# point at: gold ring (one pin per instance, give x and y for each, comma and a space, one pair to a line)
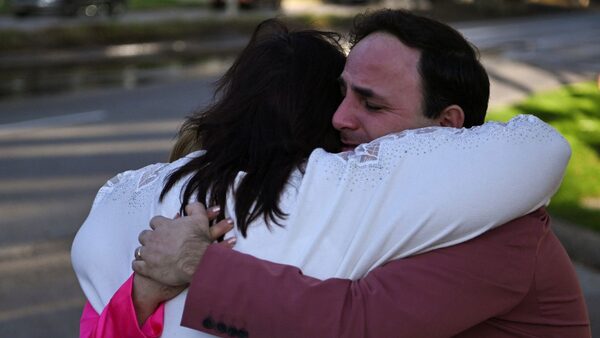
138, 253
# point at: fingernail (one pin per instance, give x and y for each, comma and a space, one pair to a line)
229, 221
215, 209
232, 240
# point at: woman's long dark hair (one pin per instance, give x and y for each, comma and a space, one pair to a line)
273, 107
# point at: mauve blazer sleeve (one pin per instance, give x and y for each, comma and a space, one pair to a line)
437, 294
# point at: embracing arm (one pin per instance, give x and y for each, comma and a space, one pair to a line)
419, 190
437, 294
479, 179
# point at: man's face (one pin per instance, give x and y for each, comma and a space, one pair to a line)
382, 91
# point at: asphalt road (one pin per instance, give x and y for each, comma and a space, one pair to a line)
56, 151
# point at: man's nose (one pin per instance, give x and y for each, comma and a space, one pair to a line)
343, 118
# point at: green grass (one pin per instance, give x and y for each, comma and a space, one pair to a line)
575, 112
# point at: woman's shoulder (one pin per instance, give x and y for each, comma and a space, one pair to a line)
148, 178
151, 172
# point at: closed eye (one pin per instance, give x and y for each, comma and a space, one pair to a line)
371, 107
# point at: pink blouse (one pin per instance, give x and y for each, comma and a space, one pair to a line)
118, 319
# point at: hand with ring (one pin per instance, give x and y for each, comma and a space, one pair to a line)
173, 248
138, 253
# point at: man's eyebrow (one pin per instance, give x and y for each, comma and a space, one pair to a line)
362, 91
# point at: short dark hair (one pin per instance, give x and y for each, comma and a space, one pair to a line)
272, 108
450, 70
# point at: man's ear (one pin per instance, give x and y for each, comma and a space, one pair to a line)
451, 116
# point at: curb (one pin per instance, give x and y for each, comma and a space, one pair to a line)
582, 245
116, 53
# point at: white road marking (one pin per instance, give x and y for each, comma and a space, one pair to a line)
87, 148
62, 120
41, 309
97, 130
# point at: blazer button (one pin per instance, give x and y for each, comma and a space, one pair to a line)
232, 331
208, 323
221, 327
243, 333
